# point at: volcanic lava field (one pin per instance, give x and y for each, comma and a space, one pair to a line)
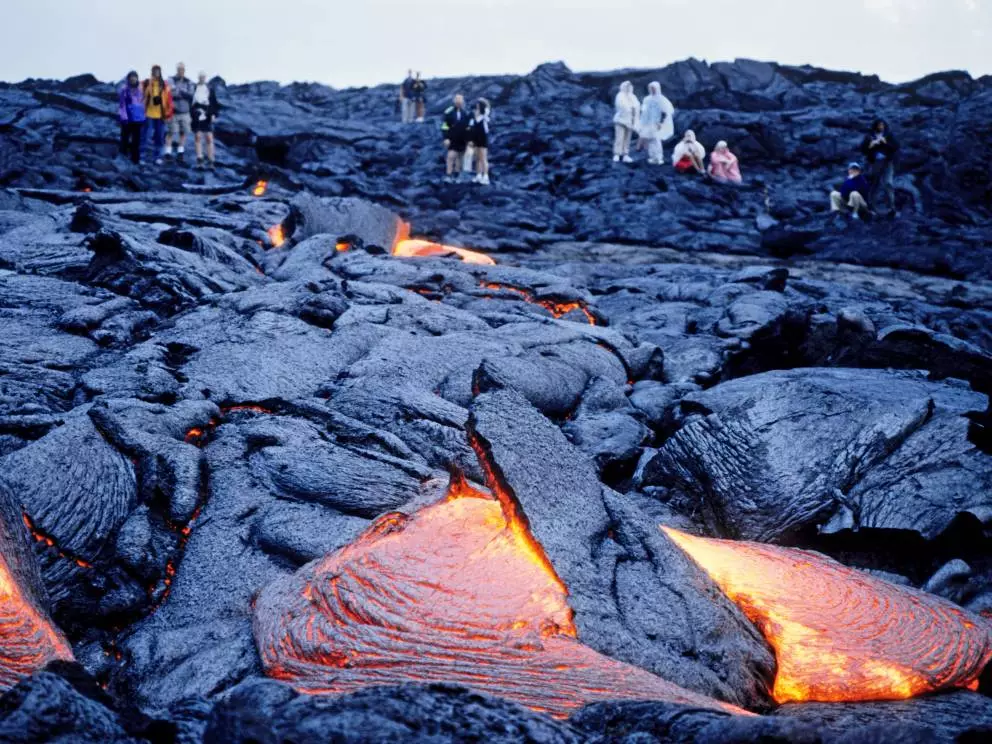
319, 448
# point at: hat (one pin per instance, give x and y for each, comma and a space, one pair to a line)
855, 165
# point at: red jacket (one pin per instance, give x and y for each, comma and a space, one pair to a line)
168, 106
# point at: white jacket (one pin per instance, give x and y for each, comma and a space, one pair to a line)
683, 148
628, 109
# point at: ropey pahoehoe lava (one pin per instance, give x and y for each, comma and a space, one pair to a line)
840, 634
453, 594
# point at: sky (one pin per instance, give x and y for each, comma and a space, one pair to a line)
365, 42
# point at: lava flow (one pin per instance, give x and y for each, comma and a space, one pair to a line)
423, 248
841, 635
451, 594
260, 188
28, 639
277, 235
557, 309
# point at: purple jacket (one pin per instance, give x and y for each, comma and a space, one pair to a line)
131, 104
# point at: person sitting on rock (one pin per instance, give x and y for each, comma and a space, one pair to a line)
419, 88
657, 124
131, 114
158, 110
455, 127
627, 113
724, 166
880, 148
479, 138
850, 195
689, 155
408, 107
204, 112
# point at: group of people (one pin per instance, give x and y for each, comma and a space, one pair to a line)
858, 192
157, 116
466, 139
413, 98
653, 120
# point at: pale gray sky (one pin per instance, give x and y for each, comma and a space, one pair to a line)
364, 42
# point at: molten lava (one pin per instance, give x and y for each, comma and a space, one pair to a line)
28, 639
423, 248
451, 594
557, 309
277, 235
260, 188
840, 634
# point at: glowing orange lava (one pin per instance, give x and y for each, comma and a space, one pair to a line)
342, 246
840, 634
260, 188
557, 309
49, 541
423, 248
277, 235
450, 594
28, 638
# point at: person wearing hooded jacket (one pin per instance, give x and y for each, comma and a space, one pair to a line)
880, 148
656, 124
131, 114
688, 155
627, 112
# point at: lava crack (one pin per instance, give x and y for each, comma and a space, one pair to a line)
840, 634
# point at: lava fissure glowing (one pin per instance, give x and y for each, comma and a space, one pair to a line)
558, 309
46, 539
260, 188
277, 235
840, 634
409, 248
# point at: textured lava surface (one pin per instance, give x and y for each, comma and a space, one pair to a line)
451, 594
840, 634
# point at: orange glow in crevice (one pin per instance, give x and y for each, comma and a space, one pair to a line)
449, 594
260, 188
277, 235
557, 309
839, 634
426, 249
29, 640
41, 537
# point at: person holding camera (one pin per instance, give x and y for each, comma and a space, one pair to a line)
159, 109
880, 149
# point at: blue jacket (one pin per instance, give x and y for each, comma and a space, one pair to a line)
131, 104
859, 183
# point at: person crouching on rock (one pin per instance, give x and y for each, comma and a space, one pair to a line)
479, 137
455, 129
204, 112
627, 112
656, 123
689, 154
880, 148
158, 110
131, 113
724, 167
850, 194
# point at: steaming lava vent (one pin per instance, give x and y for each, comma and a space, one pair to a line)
840, 634
454, 593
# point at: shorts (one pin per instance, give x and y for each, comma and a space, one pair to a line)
179, 125
480, 139
457, 145
685, 165
203, 122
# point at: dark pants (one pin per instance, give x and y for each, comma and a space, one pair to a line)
131, 140
881, 176
155, 136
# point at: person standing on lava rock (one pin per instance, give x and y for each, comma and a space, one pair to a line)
408, 107
420, 97
158, 110
627, 112
850, 194
179, 125
131, 113
455, 129
479, 137
880, 148
204, 112
688, 155
657, 125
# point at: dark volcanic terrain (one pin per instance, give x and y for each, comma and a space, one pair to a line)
272, 483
